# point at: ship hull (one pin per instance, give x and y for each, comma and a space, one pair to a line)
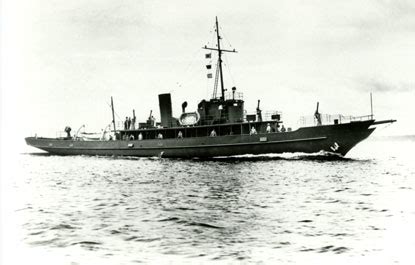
339, 139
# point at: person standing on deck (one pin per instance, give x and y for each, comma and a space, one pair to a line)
268, 128
126, 123
253, 131
213, 133
133, 122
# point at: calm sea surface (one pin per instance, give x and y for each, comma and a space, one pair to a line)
270, 209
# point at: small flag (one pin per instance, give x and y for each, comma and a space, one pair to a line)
208, 55
209, 75
209, 66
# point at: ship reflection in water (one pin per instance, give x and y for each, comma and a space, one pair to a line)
282, 209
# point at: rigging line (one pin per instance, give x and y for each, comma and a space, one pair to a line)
188, 68
187, 72
192, 61
213, 36
194, 77
197, 72
114, 111
207, 88
209, 84
229, 69
224, 37
215, 87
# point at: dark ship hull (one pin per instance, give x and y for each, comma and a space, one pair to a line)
336, 138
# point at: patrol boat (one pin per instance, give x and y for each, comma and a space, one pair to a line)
219, 127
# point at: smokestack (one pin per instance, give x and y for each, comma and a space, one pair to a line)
166, 113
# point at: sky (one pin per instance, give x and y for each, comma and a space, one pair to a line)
61, 61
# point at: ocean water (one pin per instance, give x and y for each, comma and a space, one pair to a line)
285, 209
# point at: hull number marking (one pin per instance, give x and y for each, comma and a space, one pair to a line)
334, 147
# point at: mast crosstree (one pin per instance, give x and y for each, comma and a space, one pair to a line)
220, 51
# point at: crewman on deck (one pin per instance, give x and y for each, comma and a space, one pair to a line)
129, 123
282, 128
180, 135
68, 131
126, 123
160, 136
140, 137
213, 133
268, 128
253, 131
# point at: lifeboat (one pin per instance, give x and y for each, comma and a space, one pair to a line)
189, 118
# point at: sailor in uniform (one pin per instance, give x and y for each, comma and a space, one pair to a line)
268, 128
213, 133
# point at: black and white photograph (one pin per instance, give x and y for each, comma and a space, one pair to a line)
207, 132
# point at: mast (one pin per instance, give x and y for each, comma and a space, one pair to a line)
220, 51
113, 116
222, 89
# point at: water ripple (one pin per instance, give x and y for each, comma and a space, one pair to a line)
249, 209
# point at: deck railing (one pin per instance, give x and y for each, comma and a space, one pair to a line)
331, 119
266, 115
236, 96
61, 134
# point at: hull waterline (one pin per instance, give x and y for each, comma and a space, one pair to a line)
339, 139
